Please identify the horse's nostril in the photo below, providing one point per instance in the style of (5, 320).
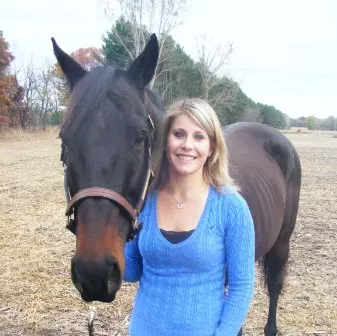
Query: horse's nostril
(110, 285)
(79, 287)
(96, 281)
(113, 278)
(76, 278)
(111, 261)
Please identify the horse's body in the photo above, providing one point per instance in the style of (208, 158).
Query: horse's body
(267, 169)
(107, 142)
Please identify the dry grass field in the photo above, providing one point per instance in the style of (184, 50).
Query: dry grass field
(36, 293)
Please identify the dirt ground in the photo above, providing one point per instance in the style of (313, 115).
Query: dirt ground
(36, 293)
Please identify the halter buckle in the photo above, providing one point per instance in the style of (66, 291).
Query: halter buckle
(70, 225)
(136, 227)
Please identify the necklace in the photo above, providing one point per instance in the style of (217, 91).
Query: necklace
(179, 205)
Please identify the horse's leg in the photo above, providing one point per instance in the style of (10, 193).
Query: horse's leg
(274, 270)
(276, 259)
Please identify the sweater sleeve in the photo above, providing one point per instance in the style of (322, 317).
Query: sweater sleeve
(133, 261)
(240, 261)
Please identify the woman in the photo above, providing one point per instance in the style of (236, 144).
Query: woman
(197, 230)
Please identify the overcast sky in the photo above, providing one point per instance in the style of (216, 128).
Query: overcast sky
(285, 52)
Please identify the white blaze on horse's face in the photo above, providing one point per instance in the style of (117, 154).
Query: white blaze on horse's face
(188, 146)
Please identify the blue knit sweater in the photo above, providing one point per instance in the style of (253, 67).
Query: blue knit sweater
(181, 286)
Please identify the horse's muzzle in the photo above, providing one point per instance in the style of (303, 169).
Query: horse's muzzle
(96, 281)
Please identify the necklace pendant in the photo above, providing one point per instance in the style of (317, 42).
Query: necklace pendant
(179, 205)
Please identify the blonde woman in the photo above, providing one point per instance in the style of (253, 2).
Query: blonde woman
(197, 235)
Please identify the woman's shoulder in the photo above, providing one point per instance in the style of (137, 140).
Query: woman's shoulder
(231, 203)
(227, 208)
(233, 211)
(230, 195)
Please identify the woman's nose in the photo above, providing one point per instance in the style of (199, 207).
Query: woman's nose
(188, 143)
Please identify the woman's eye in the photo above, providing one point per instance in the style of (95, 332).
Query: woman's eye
(199, 137)
(178, 134)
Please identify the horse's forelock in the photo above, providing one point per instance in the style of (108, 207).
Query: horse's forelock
(107, 83)
(88, 95)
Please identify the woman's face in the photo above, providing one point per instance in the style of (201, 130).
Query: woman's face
(188, 146)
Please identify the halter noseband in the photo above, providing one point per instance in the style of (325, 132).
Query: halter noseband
(109, 194)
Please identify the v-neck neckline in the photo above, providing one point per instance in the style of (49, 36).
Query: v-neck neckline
(196, 229)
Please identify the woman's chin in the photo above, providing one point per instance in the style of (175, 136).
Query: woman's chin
(184, 171)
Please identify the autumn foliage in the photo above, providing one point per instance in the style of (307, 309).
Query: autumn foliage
(88, 58)
(6, 81)
(12, 110)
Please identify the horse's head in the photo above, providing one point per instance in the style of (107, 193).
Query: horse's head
(107, 137)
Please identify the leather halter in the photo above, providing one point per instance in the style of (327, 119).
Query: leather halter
(110, 195)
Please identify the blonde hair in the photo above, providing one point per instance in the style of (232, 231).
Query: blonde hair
(215, 170)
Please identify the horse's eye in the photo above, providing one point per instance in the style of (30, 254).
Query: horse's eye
(140, 139)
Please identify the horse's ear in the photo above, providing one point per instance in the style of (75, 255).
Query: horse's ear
(72, 70)
(142, 69)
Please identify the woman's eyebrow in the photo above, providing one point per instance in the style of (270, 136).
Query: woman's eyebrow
(200, 131)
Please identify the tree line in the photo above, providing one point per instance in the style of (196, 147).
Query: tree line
(38, 96)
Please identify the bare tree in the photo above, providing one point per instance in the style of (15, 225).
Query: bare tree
(30, 83)
(154, 16)
(40, 95)
(212, 63)
(47, 100)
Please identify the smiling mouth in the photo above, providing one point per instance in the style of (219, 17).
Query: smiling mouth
(185, 157)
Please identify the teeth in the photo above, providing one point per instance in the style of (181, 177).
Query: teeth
(186, 158)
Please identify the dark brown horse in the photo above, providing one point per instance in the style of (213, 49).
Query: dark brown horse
(109, 133)
(267, 168)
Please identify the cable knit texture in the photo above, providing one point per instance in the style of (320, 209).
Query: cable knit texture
(181, 286)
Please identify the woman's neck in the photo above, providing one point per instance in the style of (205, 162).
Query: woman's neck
(186, 186)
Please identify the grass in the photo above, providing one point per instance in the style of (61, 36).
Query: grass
(37, 297)
(18, 134)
